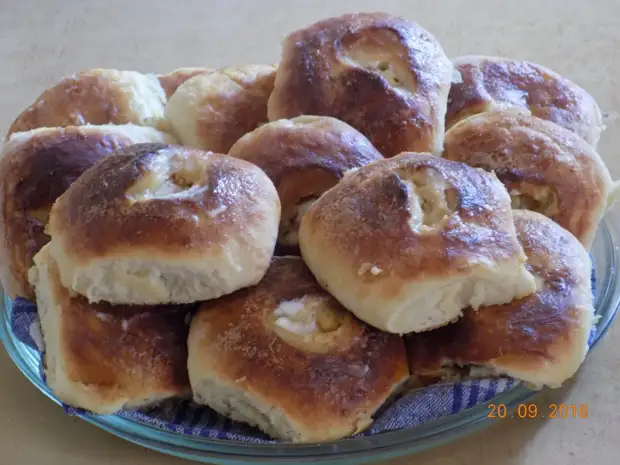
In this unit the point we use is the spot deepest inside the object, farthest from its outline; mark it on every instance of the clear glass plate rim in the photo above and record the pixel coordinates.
(386, 444)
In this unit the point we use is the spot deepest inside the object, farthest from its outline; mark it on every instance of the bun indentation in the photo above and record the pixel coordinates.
(312, 323)
(385, 76)
(372, 52)
(546, 168)
(541, 199)
(169, 175)
(431, 199)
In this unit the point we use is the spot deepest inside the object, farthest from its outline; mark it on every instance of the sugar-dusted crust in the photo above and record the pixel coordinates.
(542, 338)
(36, 167)
(492, 83)
(407, 242)
(545, 167)
(319, 384)
(385, 76)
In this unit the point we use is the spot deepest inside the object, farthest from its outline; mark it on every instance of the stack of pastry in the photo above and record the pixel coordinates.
(291, 244)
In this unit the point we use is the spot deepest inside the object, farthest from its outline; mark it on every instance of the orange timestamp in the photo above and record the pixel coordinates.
(534, 411)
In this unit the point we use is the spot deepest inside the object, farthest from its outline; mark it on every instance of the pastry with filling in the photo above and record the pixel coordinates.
(409, 242)
(304, 157)
(211, 111)
(541, 339)
(36, 167)
(104, 358)
(286, 357)
(385, 76)
(495, 83)
(97, 96)
(545, 167)
(157, 224)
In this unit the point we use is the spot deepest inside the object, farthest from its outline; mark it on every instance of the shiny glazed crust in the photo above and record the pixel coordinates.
(385, 76)
(301, 388)
(395, 232)
(304, 157)
(159, 207)
(492, 83)
(542, 338)
(36, 167)
(97, 96)
(212, 111)
(104, 358)
(546, 168)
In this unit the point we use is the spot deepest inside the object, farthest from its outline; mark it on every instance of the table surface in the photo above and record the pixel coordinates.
(41, 40)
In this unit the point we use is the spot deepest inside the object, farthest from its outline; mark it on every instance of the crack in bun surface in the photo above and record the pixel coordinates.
(304, 157)
(545, 167)
(385, 76)
(160, 224)
(542, 338)
(495, 83)
(36, 167)
(286, 357)
(407, 243)
(104, 358)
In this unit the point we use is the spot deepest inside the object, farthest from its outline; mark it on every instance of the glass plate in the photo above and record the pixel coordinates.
(353, 451)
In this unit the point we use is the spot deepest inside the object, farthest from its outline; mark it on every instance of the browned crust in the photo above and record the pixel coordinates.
(95, 218)
(488, 81)
(312, 389)
(224, 117)
(32, 177)
(85, 97)
(122, 351)
(305, 156)
(366, 217)
(526, 334)
(170, 82)
(322, 72)
(523, 149)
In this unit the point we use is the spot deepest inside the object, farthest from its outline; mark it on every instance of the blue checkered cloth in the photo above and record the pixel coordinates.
(184, 416)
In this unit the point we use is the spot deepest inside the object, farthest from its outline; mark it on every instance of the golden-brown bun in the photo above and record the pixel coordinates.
(97, 96)
(36, 167)
(286, 357)
(541, 339)
(407, 243)
(385, 76)
(545, 167)
(104, 358)
(304, 157)
(212, 111)
(164, 224)
(495, 83)
(171, 81)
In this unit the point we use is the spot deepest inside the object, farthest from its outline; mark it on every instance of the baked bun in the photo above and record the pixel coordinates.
(494, 83)
(171, 81)
(385, 76)
(212, 111)
(104, 358)
(407, 243)
(304, 157)
(541, 339)
(545, 167)
(97, 96)
(286, 357)
(164, 224)
(36, 167)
